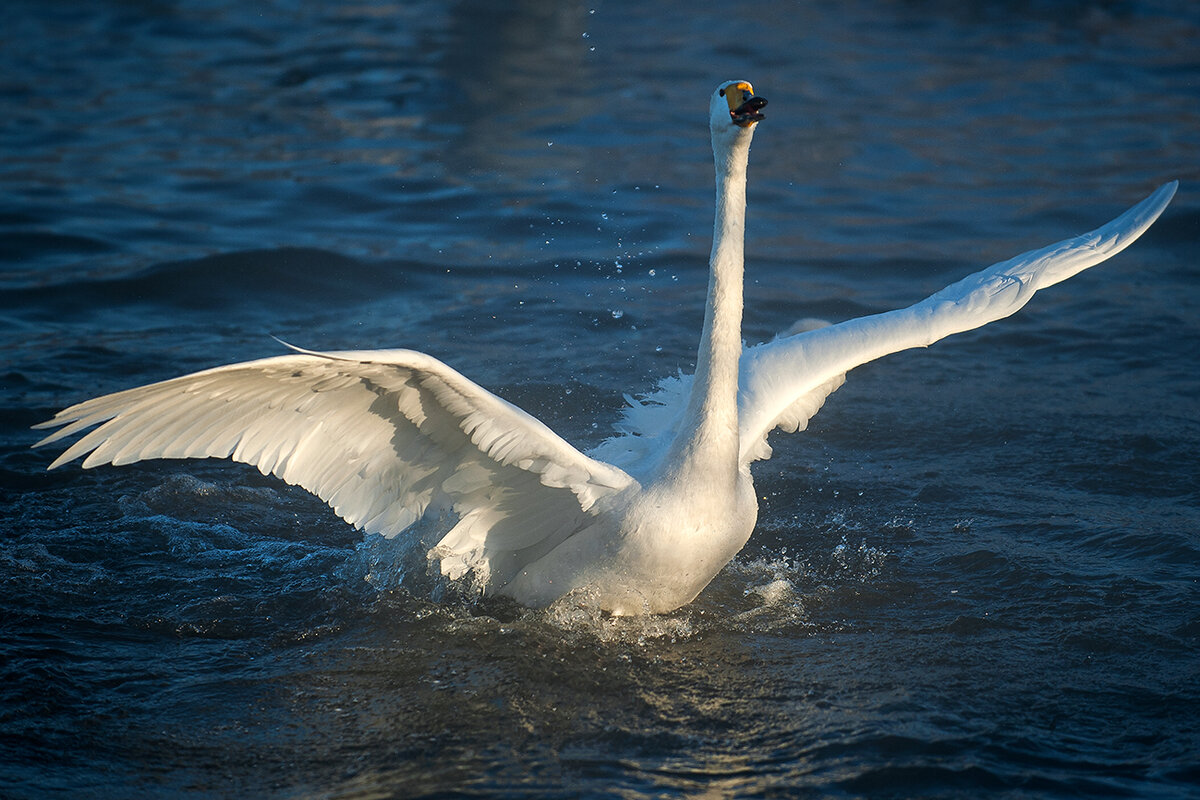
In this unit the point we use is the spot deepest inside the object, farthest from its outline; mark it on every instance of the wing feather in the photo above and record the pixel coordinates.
(785, 380)
(383, 437)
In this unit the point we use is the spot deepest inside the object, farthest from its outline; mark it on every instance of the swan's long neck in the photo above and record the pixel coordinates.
(707, 442)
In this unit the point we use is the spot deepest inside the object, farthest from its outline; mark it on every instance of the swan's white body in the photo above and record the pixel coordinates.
(645, 521)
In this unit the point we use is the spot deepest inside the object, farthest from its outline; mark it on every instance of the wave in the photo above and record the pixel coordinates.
(258, 277)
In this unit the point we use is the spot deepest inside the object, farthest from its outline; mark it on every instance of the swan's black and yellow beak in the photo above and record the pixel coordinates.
(745, 108)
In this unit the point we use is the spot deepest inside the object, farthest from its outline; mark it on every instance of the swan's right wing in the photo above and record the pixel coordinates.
(384, 437)
(784, 382)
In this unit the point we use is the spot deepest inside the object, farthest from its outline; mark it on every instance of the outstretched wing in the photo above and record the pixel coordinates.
(384, 437)
(784, 382)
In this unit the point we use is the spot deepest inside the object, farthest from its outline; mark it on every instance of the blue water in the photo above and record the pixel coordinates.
(976, 574)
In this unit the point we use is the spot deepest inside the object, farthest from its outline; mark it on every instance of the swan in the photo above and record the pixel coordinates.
(643, 522)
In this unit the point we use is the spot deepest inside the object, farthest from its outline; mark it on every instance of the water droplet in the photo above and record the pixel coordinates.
(617, 313)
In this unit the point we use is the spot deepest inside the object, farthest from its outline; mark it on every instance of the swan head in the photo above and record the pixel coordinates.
(734, 111)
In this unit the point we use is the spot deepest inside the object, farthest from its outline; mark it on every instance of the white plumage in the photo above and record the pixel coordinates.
(643, 522)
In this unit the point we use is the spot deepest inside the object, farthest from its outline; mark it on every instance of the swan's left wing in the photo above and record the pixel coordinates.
(784, 382)
(385, 437)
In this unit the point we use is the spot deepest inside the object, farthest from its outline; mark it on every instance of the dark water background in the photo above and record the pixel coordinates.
(975, 575)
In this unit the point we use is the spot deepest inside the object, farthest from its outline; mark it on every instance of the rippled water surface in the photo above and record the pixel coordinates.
(974, 575)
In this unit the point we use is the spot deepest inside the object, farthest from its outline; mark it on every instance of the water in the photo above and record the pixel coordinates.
(976, 574)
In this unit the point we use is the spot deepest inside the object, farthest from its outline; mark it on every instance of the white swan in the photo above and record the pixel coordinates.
(645, 521)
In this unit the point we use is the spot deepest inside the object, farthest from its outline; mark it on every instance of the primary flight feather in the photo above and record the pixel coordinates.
(640, 524)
